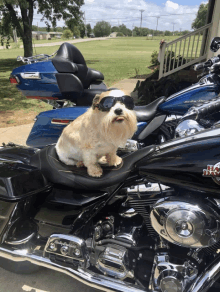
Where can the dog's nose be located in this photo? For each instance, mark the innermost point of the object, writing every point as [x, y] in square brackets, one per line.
[118, 111]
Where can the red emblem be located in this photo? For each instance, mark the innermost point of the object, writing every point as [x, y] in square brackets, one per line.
[213, 171]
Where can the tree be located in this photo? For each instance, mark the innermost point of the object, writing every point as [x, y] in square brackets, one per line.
[89, 29]
[67, 33]
[168, 33]
[76, 32]
[115, 29]
[201, 16]
[51, 11]
[102, 28]
[34, 28]
[82, 29]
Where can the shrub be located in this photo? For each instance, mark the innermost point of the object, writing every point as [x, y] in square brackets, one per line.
[67, 34]
[119, 34]
[154, 60]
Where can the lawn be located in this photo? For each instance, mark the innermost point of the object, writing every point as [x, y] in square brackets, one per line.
[117, 59]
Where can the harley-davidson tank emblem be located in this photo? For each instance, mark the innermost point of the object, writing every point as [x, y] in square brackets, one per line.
[213, 171]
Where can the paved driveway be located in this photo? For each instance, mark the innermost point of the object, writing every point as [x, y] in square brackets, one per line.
[43, 281]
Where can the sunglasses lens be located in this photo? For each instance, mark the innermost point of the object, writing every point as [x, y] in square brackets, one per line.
[128, 102]
[106, 103]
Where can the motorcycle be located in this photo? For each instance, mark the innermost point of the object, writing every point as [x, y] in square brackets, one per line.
[70, 88]
[109, 232]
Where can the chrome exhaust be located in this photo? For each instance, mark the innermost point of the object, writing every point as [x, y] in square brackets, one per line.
[85, 276]
[210, 275]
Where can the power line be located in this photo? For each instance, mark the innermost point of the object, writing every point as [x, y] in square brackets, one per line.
[142, 18]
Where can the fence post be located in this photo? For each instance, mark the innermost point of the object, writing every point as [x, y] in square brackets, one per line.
[161, 58]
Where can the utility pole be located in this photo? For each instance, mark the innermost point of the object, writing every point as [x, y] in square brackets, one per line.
[141, 20]
[85, 23]
[132, 29]
[173, 26]
[157, 22]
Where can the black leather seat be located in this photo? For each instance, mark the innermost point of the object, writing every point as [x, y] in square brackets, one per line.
[70, 60]
[147, 112]
[57, 172]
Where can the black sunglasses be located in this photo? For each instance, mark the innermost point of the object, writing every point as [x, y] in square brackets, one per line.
[109, 101]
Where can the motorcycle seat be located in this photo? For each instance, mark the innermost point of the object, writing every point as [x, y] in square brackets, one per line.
[59, 173]
[147, 112]
[70, 60]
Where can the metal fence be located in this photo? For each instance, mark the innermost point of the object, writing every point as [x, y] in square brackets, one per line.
[184, 51]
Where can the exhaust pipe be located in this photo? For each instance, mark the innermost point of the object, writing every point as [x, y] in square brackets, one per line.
[85, 276]
[202, 284]
[210, 275]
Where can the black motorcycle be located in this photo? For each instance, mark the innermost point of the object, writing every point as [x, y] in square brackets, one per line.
[109, 232]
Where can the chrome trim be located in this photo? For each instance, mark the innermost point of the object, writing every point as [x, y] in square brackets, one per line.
[70, 242]
[207, 278]
[35, 59]
[203, 134]
[188, 128]
[30, 75]
[131, 145]
[186, 222]
[115, 256]
[22, 241]
[87, 277]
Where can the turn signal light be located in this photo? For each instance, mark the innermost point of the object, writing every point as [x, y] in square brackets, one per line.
[59, 121]
[14, 80]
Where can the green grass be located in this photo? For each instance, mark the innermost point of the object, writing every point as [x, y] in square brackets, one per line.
[117, 59]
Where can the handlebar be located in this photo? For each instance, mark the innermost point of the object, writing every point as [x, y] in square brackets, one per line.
[207, 64]
[200, 111]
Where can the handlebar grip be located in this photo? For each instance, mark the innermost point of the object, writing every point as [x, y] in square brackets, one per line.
[207, 108]
[199, 66]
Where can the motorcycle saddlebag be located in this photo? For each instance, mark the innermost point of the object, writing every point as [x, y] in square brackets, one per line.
[18, 181]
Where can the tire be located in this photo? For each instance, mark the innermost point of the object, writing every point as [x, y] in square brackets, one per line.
[24, 267]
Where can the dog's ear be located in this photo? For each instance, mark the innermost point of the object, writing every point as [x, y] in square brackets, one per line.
[95, 101]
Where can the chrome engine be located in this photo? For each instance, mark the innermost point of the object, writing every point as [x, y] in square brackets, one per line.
[65, 247]
[186, 223]
[112, 262]
[187, 128]
[168, 276]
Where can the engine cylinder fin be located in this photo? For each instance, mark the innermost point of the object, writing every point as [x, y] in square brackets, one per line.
[212, 249]
[141, 206]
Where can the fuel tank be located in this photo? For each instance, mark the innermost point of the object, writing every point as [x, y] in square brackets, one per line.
[192, 162]
[207, 88]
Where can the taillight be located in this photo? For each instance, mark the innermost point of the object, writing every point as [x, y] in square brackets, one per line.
[14, 80]
[59, 121]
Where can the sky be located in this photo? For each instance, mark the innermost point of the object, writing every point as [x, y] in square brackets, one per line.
[177, 15]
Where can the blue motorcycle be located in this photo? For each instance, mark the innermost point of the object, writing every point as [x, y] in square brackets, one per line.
[65, 81]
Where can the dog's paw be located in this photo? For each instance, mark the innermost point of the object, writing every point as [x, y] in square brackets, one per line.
[103, 160]
[118, 161]
[113, 160]
[95, 171]
[80, 164]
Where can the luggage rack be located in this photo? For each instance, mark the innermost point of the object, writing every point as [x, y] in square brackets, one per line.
[35, 59]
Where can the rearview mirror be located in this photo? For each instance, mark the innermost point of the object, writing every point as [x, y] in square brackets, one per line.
[215, 44]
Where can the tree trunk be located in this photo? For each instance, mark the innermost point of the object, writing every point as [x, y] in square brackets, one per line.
[27, 42]
[27, 18]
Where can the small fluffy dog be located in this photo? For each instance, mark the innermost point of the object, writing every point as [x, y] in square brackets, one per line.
[99, 132]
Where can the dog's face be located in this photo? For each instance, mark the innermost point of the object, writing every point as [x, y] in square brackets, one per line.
[119, 122]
